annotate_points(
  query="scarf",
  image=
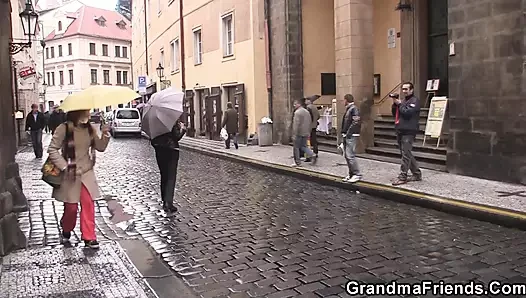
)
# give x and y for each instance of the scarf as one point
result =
(68, 150)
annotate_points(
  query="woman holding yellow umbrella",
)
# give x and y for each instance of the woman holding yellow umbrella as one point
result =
(72, 152)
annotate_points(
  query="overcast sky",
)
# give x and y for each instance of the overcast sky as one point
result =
(106, 4)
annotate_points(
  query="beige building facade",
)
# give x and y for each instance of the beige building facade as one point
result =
(224, 56)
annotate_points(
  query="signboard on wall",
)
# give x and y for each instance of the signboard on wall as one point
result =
(391, 38)
(435, 118)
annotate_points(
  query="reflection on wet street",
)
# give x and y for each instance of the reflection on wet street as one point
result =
(244, 232)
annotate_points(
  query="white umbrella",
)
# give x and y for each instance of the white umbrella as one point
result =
(162, 111)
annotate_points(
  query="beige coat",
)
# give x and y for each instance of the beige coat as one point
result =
(69, 191)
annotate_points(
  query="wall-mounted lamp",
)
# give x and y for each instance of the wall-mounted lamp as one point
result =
(29, 25)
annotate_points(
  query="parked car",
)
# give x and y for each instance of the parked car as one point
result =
(125, 121)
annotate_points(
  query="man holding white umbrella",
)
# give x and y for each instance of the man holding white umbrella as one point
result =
(161, 122)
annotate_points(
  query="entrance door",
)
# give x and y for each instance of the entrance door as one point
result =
(239, 101)
(438, 45)
(201, 96)
(189, 113)
(214, 113)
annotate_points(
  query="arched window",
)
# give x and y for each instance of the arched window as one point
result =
(59, 25)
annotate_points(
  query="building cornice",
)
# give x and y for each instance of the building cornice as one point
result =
(53, 65)
(86, 35)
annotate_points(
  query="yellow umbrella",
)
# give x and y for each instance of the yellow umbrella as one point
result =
(98, 97)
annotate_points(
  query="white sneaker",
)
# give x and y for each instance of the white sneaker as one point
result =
(355, 178)
(294, 165)
(346, 179)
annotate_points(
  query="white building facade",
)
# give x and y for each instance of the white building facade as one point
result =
(85, 48)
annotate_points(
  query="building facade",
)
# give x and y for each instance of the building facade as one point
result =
(26, 91)
(369, 48)
(222, 46)
(88, 47)
(12, 199)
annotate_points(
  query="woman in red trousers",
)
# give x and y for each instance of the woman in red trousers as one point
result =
(72, 149)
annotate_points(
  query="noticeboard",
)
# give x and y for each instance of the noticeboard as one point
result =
(435, 118)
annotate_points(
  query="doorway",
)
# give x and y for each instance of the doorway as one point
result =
(189, 112)
(438, 44)
(236, 95)
(200, 95)
(213, 114)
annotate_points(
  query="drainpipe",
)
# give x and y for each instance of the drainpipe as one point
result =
(181, 40)
(268, 58)
(146, 35)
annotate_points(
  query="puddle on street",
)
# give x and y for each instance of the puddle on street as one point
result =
(120, 218)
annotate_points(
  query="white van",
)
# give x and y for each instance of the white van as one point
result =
(125, 121)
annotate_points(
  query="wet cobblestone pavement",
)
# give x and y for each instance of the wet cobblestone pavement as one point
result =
(71, 272)
(243, 232)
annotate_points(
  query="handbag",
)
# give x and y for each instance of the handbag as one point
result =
(51, 174)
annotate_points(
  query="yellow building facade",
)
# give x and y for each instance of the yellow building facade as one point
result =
(223, 49)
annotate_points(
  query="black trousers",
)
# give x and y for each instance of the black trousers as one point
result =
(168, 161)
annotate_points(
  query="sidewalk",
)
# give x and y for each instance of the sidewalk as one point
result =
(493, 201)
(48, 268)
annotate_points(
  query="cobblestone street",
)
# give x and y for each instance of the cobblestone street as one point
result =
(243, 232)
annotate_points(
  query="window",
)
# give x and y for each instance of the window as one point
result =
(158, 6)
(198, 47)
(127, 114)
(119, 77)
(124, 52)
(70, 49)
(125, 78)
(117, 51)
(92, 50)
(48, 78)
(71, 76)
(93, 76)
(53, 79)
(104, 50)
(328, 84)
(59, 26)
(228, 35)
(161, 60)
(47, 53)
(60, 51)
(174, 58)
(52, 52)
(61, 78)
(106, 74)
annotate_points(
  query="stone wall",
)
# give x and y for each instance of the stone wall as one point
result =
(12, 199)
(286, 63)
(487, 79)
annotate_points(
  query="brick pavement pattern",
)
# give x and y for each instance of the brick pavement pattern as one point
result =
(71, 272)
(243, 232)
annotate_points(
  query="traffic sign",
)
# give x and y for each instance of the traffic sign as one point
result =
(142, 84)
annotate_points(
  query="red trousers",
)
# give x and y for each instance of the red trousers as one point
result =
(87, 215)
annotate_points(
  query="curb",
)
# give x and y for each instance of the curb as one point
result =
(495, 215)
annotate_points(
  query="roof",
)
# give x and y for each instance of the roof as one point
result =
(85, 23)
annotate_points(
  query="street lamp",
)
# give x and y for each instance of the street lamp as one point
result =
(29, 24)
(160, 74)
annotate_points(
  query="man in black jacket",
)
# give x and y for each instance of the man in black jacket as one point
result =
(350, 133)
(407, 118)
(35, 123)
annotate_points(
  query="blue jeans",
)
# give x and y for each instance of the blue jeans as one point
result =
(36, 141)
(349, 146)
(300, 144)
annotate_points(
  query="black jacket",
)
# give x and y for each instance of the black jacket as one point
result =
(55, 119)
(37, 124)
(407, 116)
(169, 140)
(351, 127)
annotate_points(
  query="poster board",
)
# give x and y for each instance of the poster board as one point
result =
(435, 118)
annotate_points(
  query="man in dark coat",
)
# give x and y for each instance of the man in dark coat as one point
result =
(56, 118)
(230, 123)
(35, 123)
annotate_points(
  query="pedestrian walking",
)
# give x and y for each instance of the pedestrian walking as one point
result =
(35, 123)
(350, 134)
(301, 129)
(46, 119)
(315, 117)
(72, 149)
(56, 118)
(167, 154)
(230, 123)
(407, 124)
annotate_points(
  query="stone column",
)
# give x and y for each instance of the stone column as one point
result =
(354, 61)
(286, 63)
